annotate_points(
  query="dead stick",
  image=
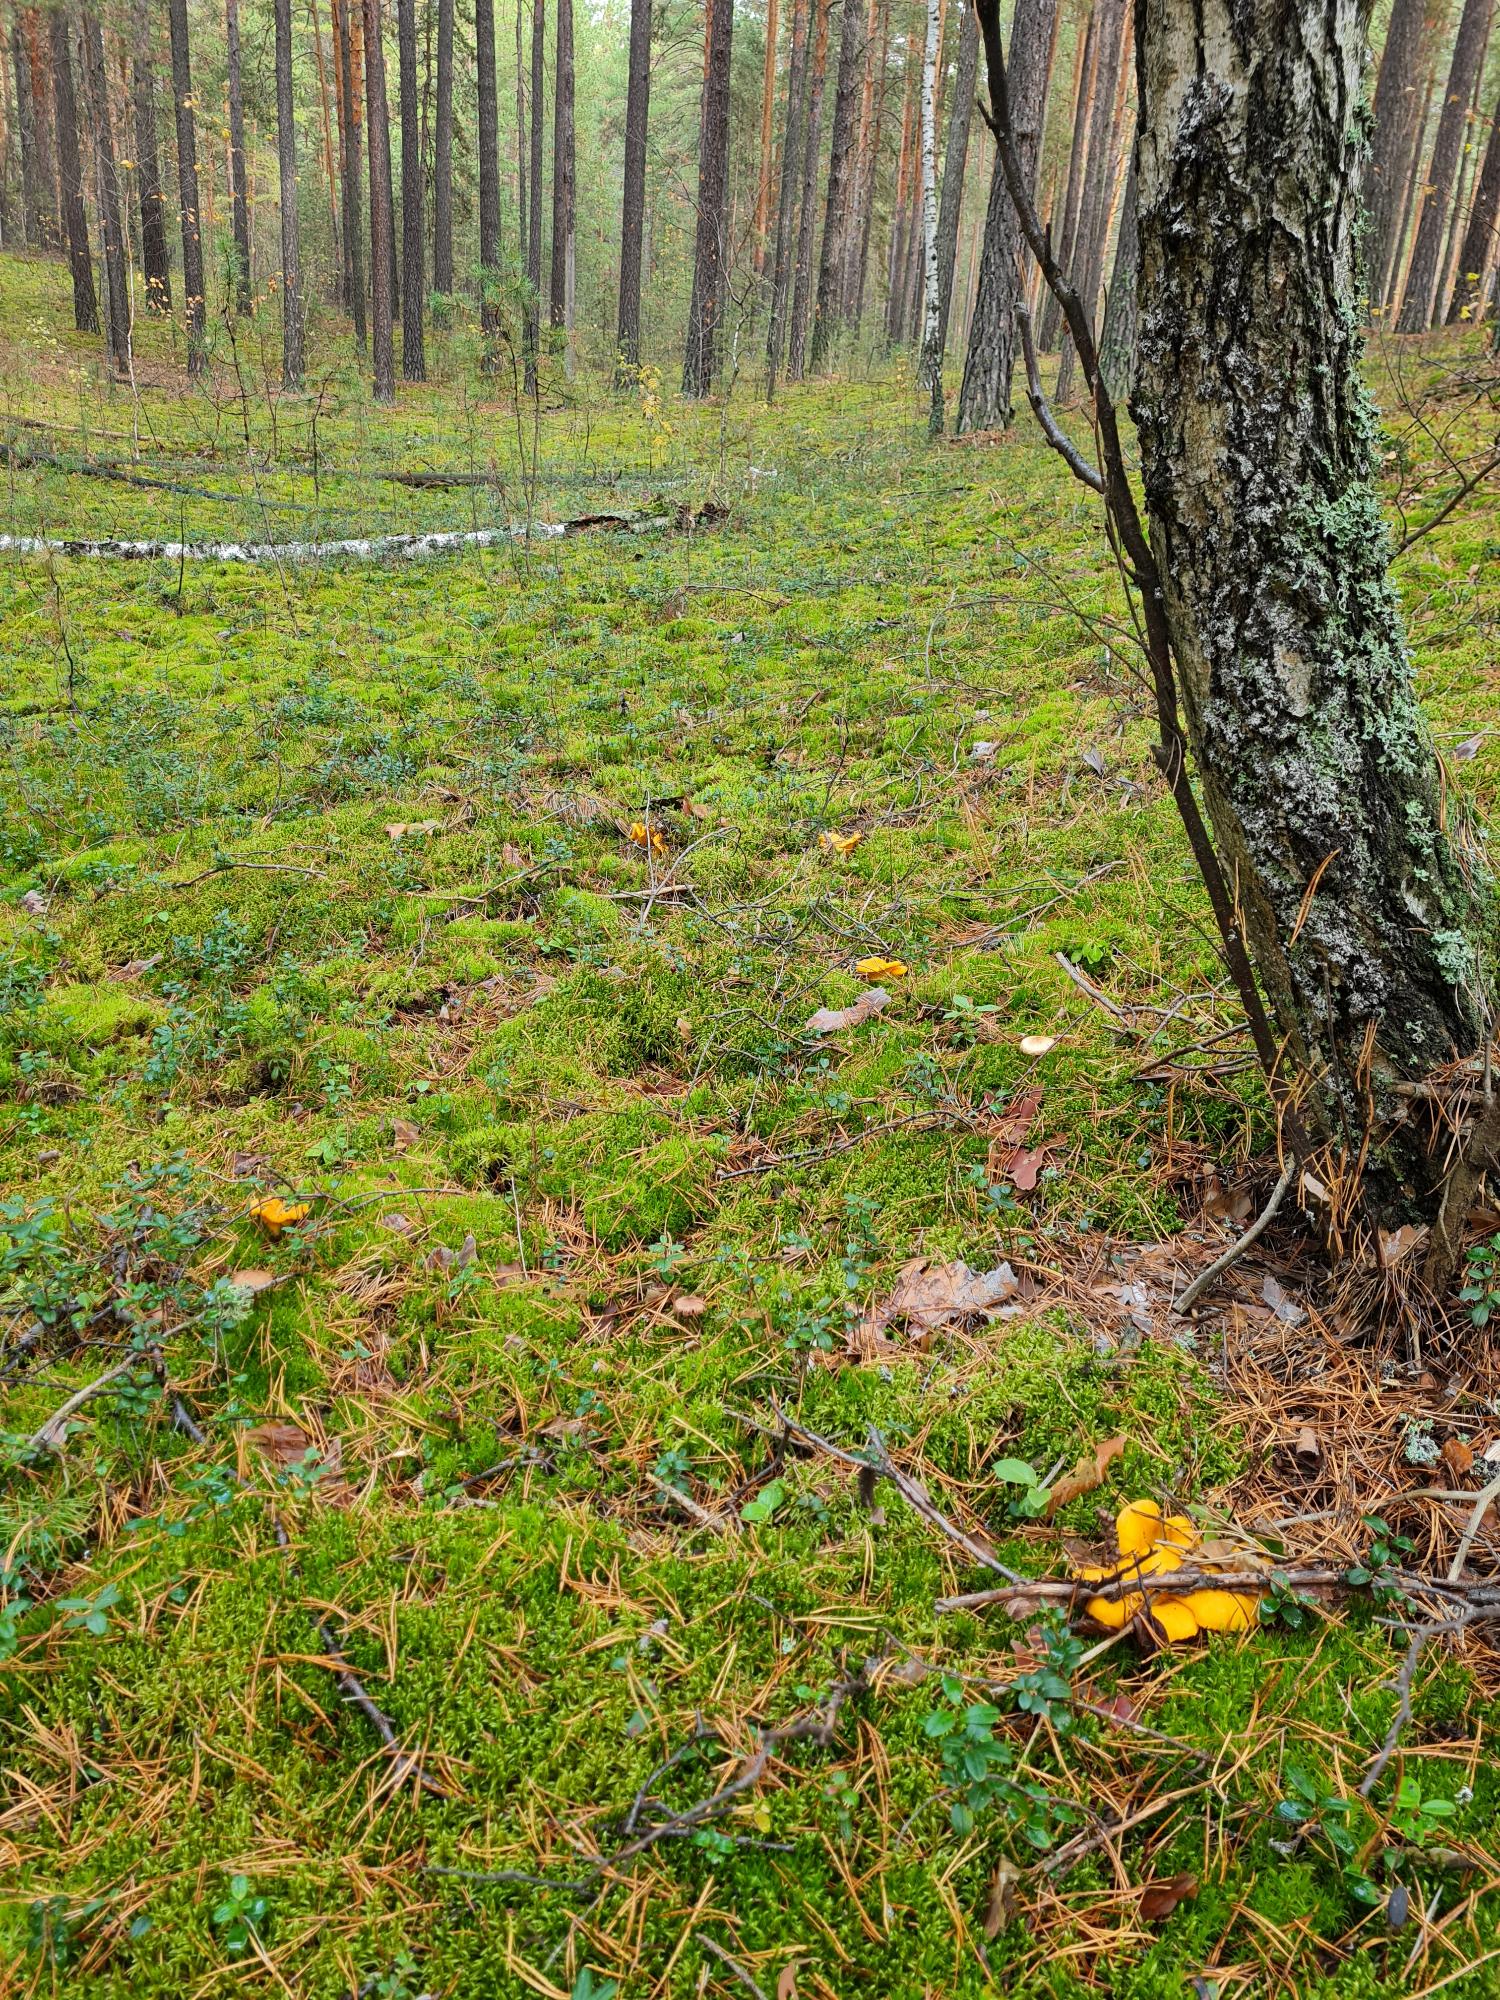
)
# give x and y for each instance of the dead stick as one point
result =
(1237, 1250)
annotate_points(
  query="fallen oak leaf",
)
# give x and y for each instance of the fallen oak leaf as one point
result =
(1090, 1472)
(831, 1020)
(926, 1296)
(1160, 1899)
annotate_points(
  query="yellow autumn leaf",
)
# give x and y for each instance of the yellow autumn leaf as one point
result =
(882, 968)
(274, 1214)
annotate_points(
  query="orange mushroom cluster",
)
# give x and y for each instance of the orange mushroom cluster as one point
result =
(274, 1214)
(1152, 1544)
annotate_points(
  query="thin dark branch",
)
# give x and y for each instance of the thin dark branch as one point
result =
(1058, 438)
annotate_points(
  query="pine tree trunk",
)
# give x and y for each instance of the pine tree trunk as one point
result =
(835, 211)
(955, 166)
(286, 161)
(1458, 215)
(1099, 176)
(239, 193)
(413, 278)
(564, 188)
(1316, 766)
(633, 206)
(861, 160)
(791, 159)
(195, 302)
(1395, 136)
(31, 185)
(1395, 282)
(44, 123)
(807, 214)
(523, 224)
(1049, 332)
(382, 218)
(1422, 277)
(442, 156)
(767, 105)
(1479, 237)
(859, 250)
(984, 400)
(534, 218)
(330, 171)
(347, 27)
(117, 291)
(1117, 342)
(900, 221)
(75, 215)
(488, 94)
(156, 264)
(710, 249)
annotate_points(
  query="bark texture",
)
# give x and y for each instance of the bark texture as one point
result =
(442, 155)
(286, 162)
(836, 206)
(111, 220)
(1083, 107)
(1257, 445)
(31, 182)
(194, 303)
(984, 401)
(345, 19)
(75, 216)
(413, 275)
(930, 361)
(564, 189)
(382, 219)
(1479, 237)
(633, 203)
(1395, 135)
(1418, 299)
(812, 138)
(711, 248)
(156, 265)
(955, 164)
(1117, 341)
(767, 108)
(791, 156)
(488, 93)
(1099, 179)
(534, 216)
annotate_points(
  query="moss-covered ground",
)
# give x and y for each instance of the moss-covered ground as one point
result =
(320, 882)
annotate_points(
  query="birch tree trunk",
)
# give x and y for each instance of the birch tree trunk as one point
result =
(286, 159)
(382, 217)
(1422, 277)
(413, 260)
(984, 401)
(75, 215)
(1361, 907)
(112, 228)
(710, 249)
(195, 304)
(156, 265)
(633, 202)
(442, 156)
(930, 361)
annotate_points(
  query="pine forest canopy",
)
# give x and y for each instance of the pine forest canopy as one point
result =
(519, 133)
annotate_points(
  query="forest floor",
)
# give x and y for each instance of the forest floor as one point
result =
(478, 909)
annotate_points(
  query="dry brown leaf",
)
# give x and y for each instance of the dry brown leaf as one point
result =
(1457, 1456)
(1002, 1903)
(1025, 1167)
(398, 829)
(1307, 1446)
(1160, 1899)
(927, 1296)
(512, 856)
(1091, 1470)
(829, 1020)
(786, 1984)
(1398, 1243)
(405, 1133)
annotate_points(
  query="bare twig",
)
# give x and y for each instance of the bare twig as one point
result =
(734, 1965)
(1482, 1503)
(1237, 1249)
(50, 1436)
(1055, 435)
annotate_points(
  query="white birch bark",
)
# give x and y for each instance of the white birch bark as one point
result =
(930, 371)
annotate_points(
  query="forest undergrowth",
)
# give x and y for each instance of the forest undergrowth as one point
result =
(484, 1043)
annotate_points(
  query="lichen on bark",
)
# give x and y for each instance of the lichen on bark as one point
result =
(1365, 906)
